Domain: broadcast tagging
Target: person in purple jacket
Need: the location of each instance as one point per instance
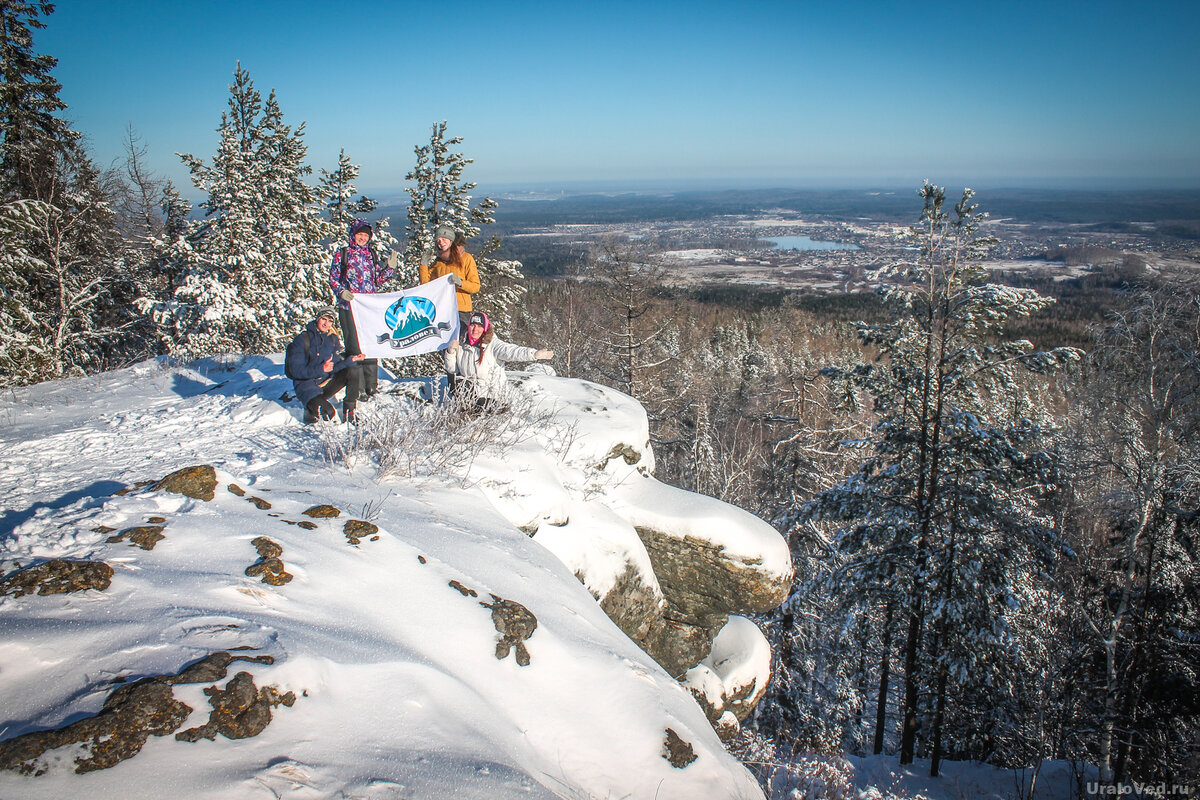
(355, 270)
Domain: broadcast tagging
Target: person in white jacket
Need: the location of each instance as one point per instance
(476, 364)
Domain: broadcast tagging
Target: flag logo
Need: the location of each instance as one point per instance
(396, 324)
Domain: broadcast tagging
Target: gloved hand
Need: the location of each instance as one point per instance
(346, 295)
(544, 355)
(454, 279)
(454, 345)
(426, 257)
(393, 260)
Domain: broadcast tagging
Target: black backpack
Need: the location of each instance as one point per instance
(287, 369)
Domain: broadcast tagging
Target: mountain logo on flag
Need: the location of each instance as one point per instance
(411, 320)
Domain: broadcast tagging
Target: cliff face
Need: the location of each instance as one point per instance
(261, 621)
(670, 567)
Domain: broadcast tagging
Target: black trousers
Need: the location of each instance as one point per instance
(349, 379)
(369, 367)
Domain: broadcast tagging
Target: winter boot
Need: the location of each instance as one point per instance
(319, 408)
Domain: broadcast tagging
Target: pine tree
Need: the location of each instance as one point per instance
(943, 520)
(59, 253)
(440, 196)
(1134, 526)
(337, 191)
(254, 270)
(33, 134)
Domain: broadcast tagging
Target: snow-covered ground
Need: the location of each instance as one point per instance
(386, 643)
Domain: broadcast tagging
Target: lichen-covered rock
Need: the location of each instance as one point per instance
(240, 710)
(269, 565)
(703, 585)
(144, 536)
(266, 547)
(131, 715)
(214, 667)
(198, 482)
(465, 591)
(644, 616)
(57, 576)
(259, 503)
(323, 511)
(676, 751)
(515, 623)
(358, 529)
(233, 488)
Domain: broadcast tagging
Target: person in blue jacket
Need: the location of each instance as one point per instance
(318, 370)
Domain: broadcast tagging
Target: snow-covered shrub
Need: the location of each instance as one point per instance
(414, 439)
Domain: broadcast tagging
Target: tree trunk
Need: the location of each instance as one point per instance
(885, 667)
(908, 734)
(935, 764)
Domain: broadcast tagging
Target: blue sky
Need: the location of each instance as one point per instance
(759, 93)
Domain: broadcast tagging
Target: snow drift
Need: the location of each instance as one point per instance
(419, 637)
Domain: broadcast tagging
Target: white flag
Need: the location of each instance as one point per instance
(417, 320)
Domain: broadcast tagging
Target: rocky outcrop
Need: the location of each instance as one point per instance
(132, 714)
(356, 530)
(198, 482)
(515, 623)
(701, 586)
(143, 536)
(57, 576)
(240, 710)
(269, 565)
(676, 751)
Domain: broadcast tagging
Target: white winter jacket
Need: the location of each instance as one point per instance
(487, 375)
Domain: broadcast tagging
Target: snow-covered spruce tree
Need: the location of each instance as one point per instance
(33, 133)
(337, 191)
(942, 521)
(440, 196)
(1134, 526)
(254, 270)
(59, 251)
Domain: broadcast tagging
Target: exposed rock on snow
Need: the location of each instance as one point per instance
(135, 712)
(143, 536)
(358, 529)
(323, 511)
(239, 711)
(515, 624)
(199, 482)
(58, 576)
(269, 565)
(676, 751)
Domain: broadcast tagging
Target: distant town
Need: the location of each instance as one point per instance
(787, 243)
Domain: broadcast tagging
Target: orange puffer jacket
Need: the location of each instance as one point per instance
(468, 273)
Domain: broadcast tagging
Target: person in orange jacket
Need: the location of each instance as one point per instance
(452, 259)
